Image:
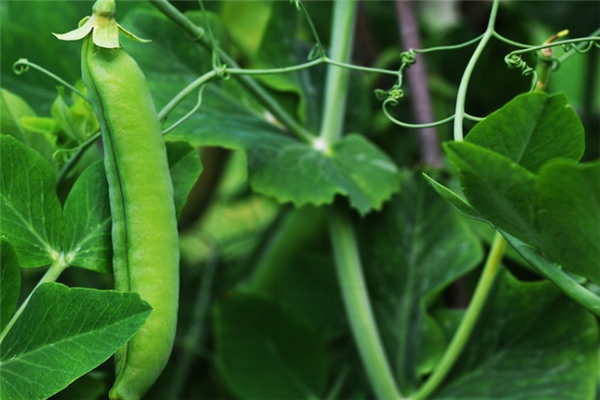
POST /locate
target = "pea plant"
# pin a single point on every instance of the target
(229, 199)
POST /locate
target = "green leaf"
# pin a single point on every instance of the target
(532, 129)
(569, 216)
(14, 116)
(454, 199)
(267, 351)
(294, 172)
(185, 168)
(529, 343)
(62, 334)
(500, 190)
(411, 251)
(13, 108)
(10, 282)
(87, 237)
(31, 217)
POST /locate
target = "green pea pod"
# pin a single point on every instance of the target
(144, 230)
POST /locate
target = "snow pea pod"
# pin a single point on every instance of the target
(144, 227)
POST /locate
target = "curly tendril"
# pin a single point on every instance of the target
(515, 61)
(21, 66)
(585, 47)
(408, 58)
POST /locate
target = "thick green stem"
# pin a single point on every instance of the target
(459, 113)
(358, 307)
(467, 324)
(51, 275)
(344, 13)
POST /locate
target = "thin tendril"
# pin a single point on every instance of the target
(515, 61)
(319, 51)
(511, 42)
(189, 114)
(394, 102)
(449, 47)
(22, 65)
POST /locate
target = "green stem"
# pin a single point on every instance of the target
(51, 275)
(344, 13)
(467, 324)
(197, 34)
(556, 275)
(189, 89)
(358, 307)
(459, 113)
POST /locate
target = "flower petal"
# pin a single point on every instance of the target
(106, 34)
(78, 33)
(132, 36)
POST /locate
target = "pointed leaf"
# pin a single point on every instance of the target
(31, 217)
(62, 334)
(455, 200)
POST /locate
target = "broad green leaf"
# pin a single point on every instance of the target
(14, 114)
(530, 343)
(294, 172)
(500, 190)
(86, 241)
(62, 334)
(569, 216)
(31, 215)
(87, 237)
(266, 350)
(185, 168)
(532, 129)
(10, 282)
(411, 251)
